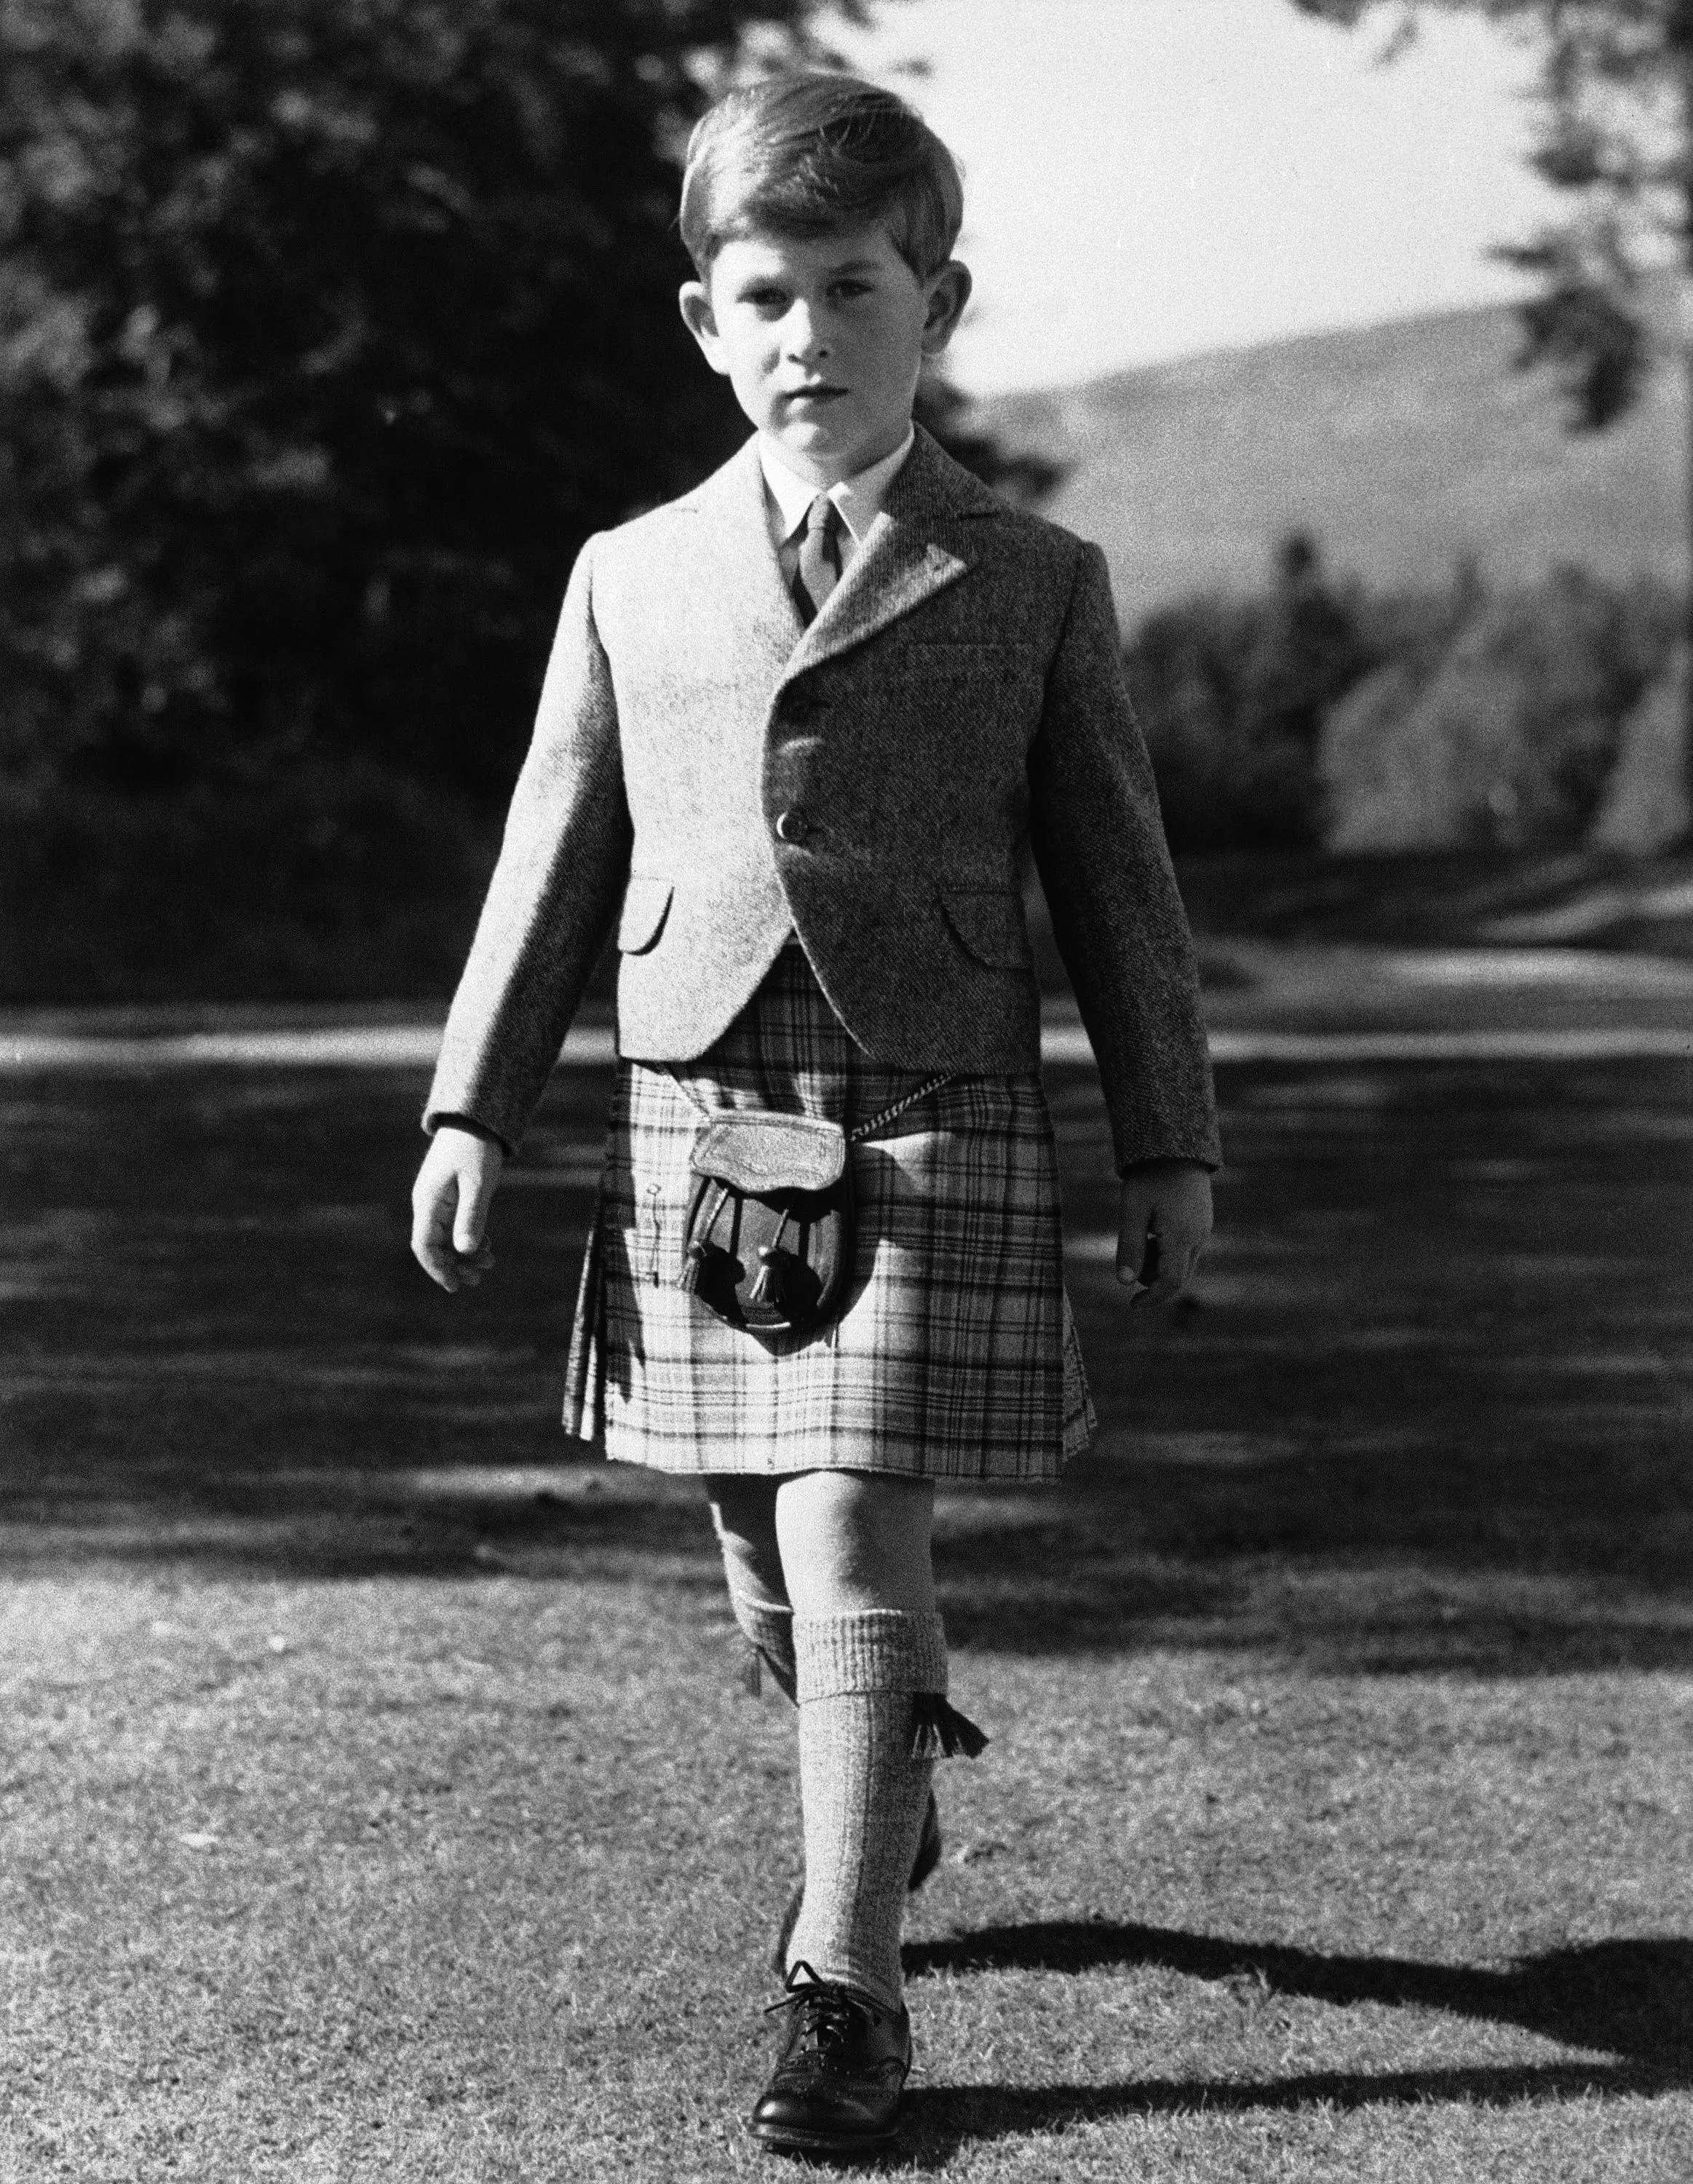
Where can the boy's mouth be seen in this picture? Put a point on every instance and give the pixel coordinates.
(811, 394)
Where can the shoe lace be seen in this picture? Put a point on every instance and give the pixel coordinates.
(828, 2014)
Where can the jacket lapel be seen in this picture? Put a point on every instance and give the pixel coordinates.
(743, 575)
(916, 546)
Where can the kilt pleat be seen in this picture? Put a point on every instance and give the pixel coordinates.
(955, 1357)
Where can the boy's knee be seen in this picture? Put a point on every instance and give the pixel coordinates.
(856, 1539)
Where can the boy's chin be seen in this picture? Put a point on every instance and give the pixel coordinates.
(811, 436)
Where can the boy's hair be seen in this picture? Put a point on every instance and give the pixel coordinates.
(809, 155)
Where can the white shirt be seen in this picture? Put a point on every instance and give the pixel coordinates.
(787, 496)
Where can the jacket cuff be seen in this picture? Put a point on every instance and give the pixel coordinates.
(432, 1123)
(1127, 1168)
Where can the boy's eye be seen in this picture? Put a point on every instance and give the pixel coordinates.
(852, 288)
(766, 299)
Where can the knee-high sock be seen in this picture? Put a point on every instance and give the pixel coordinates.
(862, 1790)
(752, 1564)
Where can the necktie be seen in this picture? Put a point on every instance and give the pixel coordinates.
(819, 558)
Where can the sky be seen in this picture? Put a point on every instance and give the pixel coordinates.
(1149, 179)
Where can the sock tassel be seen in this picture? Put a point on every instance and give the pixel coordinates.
(940, 1731)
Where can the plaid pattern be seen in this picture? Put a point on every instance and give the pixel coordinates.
(955, 1358)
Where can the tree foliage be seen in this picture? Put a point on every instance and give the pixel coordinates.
(328, 329)
(1615, 100)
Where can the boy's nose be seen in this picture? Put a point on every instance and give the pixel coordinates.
(806, 336)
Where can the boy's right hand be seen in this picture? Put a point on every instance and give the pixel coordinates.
(450, 1206)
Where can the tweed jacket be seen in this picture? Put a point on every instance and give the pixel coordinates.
(713, 775)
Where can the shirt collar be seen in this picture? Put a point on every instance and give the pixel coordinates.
(859, 497)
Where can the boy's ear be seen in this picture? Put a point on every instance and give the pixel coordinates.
(948, 293)
(699, 318)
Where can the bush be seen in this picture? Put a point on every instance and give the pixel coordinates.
(1407, 721)
(1232, 695)
(1505, 736)
(336, 882)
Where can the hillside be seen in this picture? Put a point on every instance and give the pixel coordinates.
(1401, 446)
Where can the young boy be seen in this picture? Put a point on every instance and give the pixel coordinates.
(797, 730)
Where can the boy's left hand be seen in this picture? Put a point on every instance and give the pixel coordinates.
(1168, 1201)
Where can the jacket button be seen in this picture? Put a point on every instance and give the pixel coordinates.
(792, 827)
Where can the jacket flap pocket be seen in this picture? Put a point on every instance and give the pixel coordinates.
(645, 902)
(989, 922)
(765, 1153)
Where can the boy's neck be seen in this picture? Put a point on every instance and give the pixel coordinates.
(823, 474)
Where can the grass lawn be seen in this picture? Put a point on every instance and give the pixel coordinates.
(416, 1877)
(378, 1801)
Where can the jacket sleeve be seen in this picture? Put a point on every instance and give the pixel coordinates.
(1099, 846)
(563, 865)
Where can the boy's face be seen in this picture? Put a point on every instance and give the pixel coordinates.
(822, 341)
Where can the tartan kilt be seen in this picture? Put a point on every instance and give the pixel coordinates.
(956, 1354)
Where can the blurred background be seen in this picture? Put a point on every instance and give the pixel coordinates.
(330, 328)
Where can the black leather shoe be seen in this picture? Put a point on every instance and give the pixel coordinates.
(835, 2087)
(922, 1865)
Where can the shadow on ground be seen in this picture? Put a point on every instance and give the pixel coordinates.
(1433, 1403)
(1630, 1998)
(937, 2120)
(1629, 2001)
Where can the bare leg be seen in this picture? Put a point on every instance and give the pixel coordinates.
(855, 1539)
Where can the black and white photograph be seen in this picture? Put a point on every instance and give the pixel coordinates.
(846, 1034)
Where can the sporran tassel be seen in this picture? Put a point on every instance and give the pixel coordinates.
(940, 1731)
(752, 1673)
(767, 1285)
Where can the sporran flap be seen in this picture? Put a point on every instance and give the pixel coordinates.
(762, 1152)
